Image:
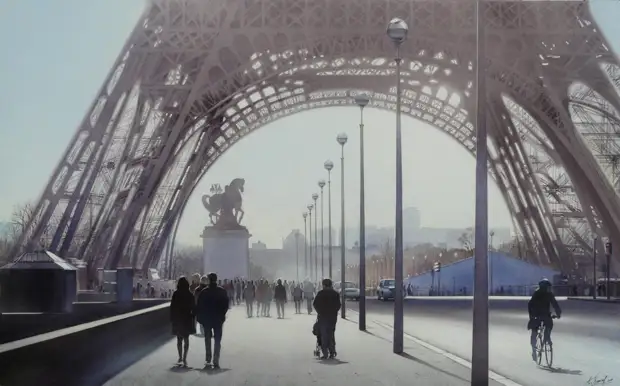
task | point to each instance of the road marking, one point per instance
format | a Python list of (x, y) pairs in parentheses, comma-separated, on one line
[(461, 361)]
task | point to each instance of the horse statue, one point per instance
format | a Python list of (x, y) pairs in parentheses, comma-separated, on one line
[(225, 208)]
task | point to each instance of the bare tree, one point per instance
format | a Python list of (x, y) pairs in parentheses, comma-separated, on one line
[(186, 261), (216, 189), (466, 239)]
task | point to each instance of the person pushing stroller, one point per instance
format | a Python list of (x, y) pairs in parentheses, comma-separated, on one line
[(327, 304)]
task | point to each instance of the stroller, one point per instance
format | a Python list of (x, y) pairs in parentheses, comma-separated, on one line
[(316, 331)]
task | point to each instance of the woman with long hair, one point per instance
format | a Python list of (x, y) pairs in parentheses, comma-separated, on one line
[(182, 317)]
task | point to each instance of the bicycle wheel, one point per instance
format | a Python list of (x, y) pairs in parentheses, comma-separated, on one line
[(549, 354), (540, 346)]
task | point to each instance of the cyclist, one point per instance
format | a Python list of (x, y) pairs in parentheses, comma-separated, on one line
[(539, 308)]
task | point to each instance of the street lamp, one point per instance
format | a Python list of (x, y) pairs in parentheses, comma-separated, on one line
[(305, 215), (342, 139), (397, 31), (362, 100), (594, 283), (315, 197), (490, 258), (329, 165), (480, 330), (297, 252), (322, 185), (310, 227)]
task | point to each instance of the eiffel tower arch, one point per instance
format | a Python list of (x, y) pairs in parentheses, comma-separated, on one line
[(196, 76)]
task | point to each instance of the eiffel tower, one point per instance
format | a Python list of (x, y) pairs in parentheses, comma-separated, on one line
[(196, 76)]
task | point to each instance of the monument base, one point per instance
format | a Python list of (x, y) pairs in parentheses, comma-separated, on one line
[(226, 252)]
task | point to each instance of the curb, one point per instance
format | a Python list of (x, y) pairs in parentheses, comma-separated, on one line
[(502, 380), (598, 300)]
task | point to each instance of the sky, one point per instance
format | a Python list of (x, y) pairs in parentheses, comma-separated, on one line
[(57, 54)]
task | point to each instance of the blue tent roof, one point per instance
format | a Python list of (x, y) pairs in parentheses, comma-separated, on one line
[(504, 271)]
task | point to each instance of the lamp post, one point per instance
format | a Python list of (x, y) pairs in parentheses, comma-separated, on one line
[(342, 140), (297, 253), (315, 197), (305, 215), (490, 256), (397, 31), (322, 185), (594, 283), (309, 271), (480, 330), (362, 100), (329, 165)]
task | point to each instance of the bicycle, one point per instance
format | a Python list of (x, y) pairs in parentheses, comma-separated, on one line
[(541, 345)]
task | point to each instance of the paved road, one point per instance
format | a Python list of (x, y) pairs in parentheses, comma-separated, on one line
[(273, 352), (586, 338)]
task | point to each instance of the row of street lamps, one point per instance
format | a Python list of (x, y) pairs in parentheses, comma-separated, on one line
[(309, 272), (397, 31)]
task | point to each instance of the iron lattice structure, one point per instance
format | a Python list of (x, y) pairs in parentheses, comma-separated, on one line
[(196, 76)]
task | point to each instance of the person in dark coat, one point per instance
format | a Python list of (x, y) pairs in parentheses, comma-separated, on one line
[(211, 311), (327, 304), (182, 317), (279, 294)]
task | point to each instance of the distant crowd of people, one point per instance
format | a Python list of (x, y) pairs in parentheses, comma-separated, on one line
[(205, 301)]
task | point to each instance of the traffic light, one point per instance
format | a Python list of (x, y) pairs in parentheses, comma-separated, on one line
[(437, 267)]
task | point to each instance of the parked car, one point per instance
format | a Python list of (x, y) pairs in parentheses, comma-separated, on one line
[(351, 290), (385, 290)]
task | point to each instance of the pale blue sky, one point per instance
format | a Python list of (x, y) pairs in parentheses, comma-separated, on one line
[(57, 53)]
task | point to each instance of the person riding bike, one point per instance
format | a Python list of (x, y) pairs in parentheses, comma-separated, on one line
[(539, 308)]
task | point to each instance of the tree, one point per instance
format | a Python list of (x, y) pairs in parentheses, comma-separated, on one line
[(186, 261), (216, 189), (466, 239)]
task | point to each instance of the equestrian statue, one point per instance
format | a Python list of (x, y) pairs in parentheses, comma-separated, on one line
[(224, 207)]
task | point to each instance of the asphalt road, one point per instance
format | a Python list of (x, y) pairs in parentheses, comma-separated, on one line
[(586, 338)]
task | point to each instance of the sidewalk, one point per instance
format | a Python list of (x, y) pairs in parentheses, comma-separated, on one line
[(273, 352)]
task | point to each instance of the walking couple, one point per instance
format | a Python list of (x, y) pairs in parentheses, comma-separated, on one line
[(209, 306)]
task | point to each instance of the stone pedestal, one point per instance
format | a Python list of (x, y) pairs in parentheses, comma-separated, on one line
[(226, 252)]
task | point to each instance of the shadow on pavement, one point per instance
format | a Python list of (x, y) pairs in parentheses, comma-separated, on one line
[(412, 358), (182, 369), (559, 370), (379, 337), (332, 362), (211, 371)]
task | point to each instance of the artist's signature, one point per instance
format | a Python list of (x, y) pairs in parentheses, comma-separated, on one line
[(595, 380)]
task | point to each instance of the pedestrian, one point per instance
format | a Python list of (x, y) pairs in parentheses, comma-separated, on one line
[(327, 304), (211, 311), (238, 290), (195, 282), (280, 298), (203, 284), (182, 309), (298, 294), (309, 290), (249, 294)]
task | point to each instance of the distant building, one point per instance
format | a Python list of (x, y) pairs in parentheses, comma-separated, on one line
[(259, 245)]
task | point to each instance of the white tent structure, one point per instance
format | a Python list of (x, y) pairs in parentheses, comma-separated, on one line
[(507, 276)]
